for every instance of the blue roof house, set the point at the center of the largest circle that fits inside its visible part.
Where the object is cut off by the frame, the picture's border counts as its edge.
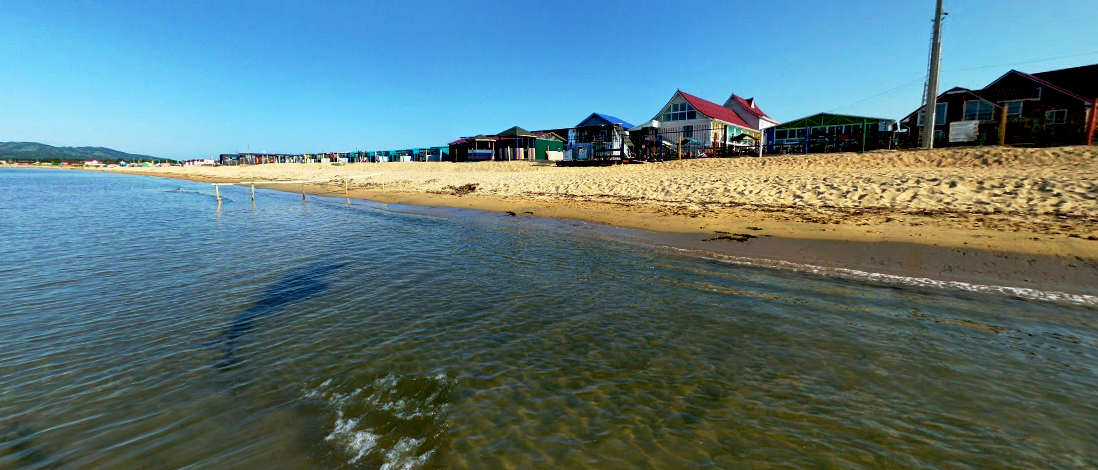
(599, 137)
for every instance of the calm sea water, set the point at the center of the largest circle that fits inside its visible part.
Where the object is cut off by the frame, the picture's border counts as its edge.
(141, 327)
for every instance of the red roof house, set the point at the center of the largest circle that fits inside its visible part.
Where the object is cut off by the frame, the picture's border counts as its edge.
(747, 109)
(700, 122)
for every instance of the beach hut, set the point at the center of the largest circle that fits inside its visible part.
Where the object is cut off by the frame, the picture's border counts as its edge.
(476, 148)
(548, 146)
(515, 143)
(600, 137)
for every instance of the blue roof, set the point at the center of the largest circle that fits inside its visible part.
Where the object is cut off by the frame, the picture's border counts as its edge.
(609, 120)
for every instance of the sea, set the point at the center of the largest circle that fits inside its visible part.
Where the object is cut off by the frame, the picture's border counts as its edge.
(143, 325)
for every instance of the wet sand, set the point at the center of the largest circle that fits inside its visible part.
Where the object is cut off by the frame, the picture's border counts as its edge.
(1024, 217)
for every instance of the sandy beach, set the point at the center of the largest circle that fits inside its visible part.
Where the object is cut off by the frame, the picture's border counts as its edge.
(1039, 202)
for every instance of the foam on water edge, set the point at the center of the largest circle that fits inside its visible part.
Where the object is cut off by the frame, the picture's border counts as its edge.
(396, 420)
(1019, 292)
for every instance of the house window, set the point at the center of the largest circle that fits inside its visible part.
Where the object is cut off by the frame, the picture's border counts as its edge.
(779, 134)
(688, 132)
(978, 110)
(939, 115)
(680, 112)
(1014, 109)
(1056, 116)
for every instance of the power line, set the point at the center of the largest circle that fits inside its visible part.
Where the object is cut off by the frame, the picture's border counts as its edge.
(882, 94)
(1025, 62)
(893, 91)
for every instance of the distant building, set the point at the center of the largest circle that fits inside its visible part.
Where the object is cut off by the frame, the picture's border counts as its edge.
(826, 132)
(514, 143)
(1048, 108)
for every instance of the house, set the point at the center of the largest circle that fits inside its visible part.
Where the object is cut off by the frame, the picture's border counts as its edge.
(1048, 108)
(599, 137)
(826, 132)
(747, 110)
(693, 126)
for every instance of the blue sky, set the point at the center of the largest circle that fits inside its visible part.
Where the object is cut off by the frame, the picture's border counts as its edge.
(197, 78)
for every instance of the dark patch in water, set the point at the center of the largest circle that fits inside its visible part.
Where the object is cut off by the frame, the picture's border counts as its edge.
(291, 287)
(17, 445)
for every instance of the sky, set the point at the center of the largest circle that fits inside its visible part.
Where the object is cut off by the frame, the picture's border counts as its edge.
(193, 79)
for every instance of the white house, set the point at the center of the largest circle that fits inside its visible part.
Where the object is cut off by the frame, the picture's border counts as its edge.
(701, 124)
(749, 111)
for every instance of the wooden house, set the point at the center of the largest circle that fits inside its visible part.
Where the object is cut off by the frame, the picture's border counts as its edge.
(1048, 108)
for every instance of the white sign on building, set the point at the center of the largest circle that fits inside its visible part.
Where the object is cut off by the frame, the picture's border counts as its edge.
(964, 131)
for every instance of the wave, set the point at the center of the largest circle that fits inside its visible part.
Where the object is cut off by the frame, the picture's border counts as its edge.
(396, 421)
(1019, 292)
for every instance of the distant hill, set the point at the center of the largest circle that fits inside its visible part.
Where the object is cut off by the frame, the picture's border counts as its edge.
(37, 152)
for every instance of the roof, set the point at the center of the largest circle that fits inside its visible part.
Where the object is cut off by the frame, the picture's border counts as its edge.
(515, 132)
(1055, 87)
(1041, 81)
(951, 91)
(714, 110)
(749, 105)
(607, 120)
(1082, 81)
(830, 119)
(548, 136)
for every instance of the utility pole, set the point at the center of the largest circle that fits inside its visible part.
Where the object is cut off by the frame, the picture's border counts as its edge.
(932, 80)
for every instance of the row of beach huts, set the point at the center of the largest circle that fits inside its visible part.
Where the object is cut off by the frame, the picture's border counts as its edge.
(1040, 109)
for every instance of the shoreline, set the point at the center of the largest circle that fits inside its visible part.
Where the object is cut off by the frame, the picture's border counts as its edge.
(979, 256)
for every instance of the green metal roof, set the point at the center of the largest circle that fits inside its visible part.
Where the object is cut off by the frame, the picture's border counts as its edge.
(826, 119)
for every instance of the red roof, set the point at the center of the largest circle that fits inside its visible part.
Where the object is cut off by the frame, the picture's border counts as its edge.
(751, 106)
(714, 110)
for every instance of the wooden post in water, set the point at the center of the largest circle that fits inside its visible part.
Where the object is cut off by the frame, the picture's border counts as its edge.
(302, 191)
(217, 191)
(253, 191)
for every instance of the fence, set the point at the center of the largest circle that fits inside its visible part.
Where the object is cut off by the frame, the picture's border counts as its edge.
(692, 142)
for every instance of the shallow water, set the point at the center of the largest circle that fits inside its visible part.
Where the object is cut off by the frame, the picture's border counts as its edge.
(141, 327)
